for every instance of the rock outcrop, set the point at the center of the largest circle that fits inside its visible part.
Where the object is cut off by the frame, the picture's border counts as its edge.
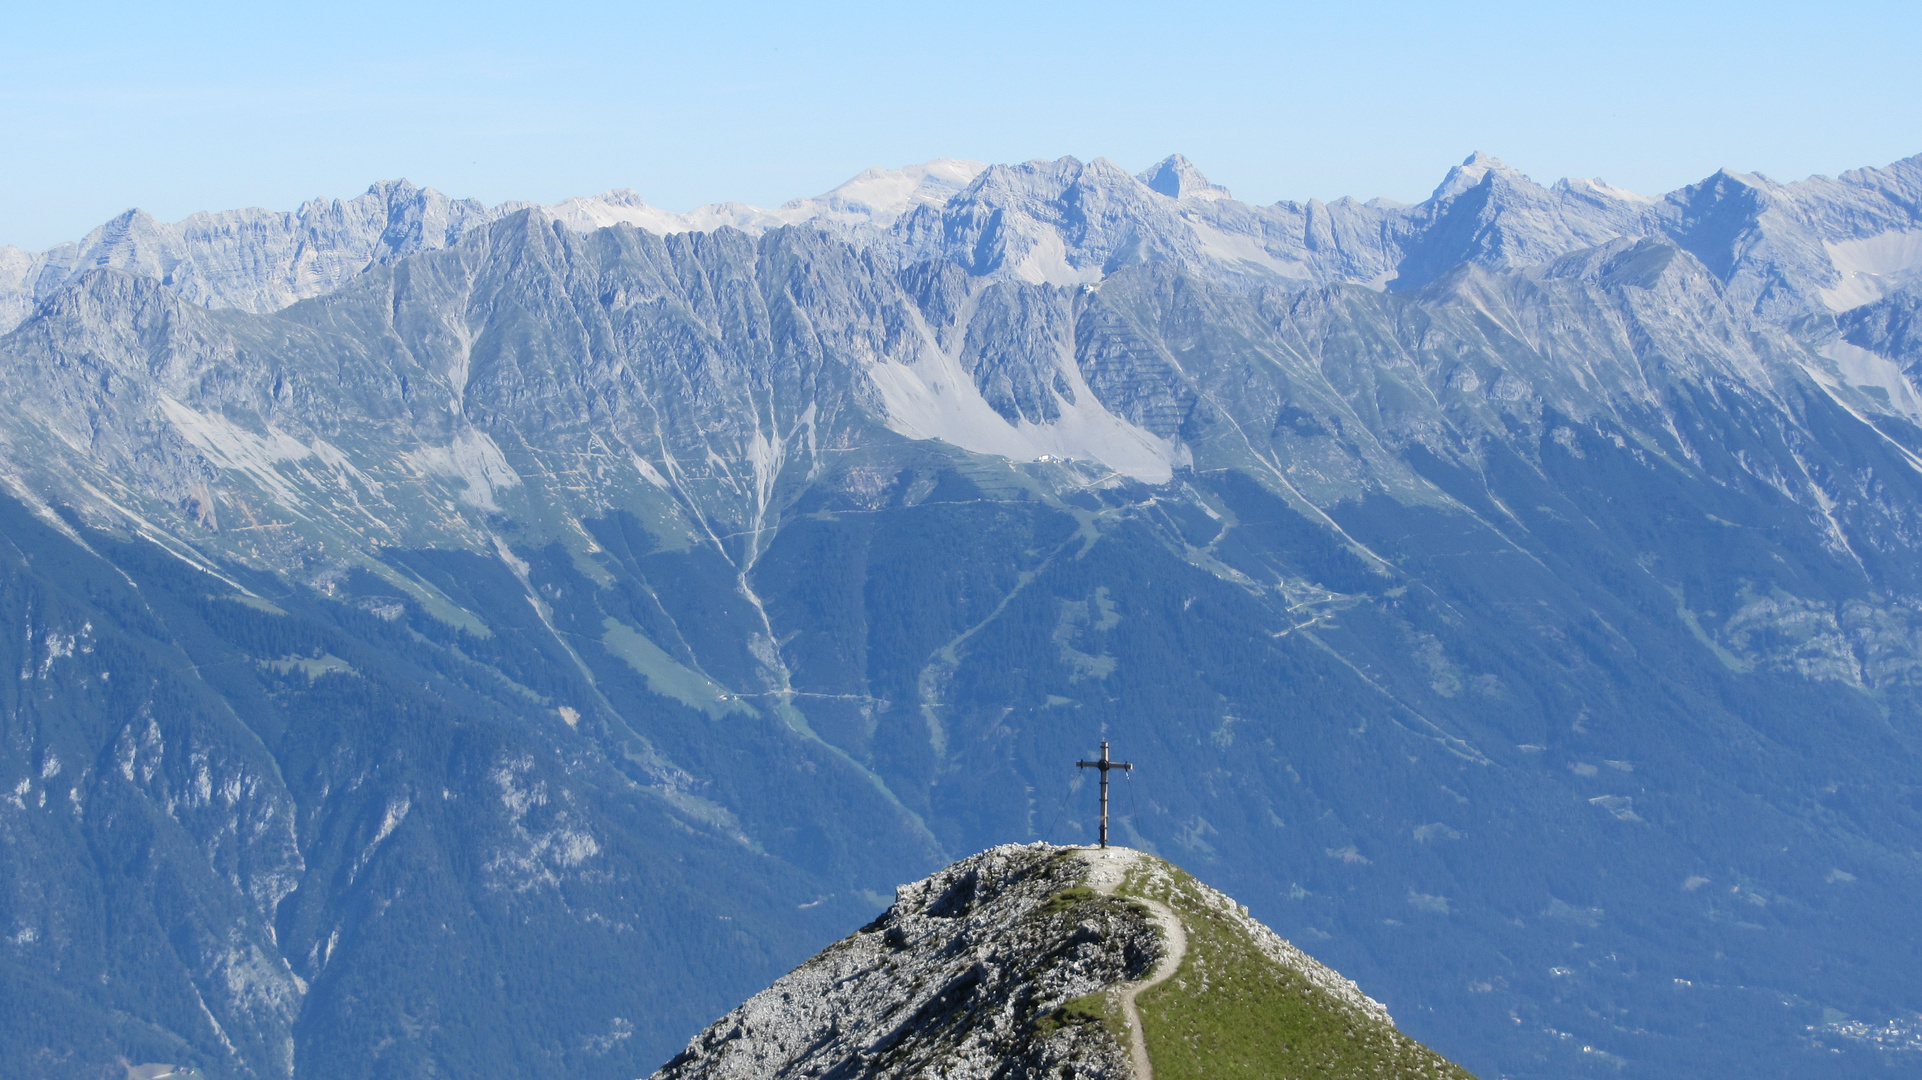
(984, 969)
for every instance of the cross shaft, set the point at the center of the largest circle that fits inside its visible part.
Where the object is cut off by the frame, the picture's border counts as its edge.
(1104, 765)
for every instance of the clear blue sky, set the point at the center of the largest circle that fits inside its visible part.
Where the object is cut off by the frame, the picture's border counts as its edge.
(183, 107)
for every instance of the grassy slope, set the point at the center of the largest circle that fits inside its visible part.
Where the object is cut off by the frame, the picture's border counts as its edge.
(1231, 1011)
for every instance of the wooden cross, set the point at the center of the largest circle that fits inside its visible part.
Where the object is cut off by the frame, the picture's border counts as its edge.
(1104, 765)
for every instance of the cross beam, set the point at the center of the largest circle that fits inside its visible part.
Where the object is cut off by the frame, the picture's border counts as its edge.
(1104, 765)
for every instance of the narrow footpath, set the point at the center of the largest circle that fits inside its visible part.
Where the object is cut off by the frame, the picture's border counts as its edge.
(1107, 869)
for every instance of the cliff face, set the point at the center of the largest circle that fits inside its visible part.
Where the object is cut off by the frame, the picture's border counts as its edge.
(1035, 960)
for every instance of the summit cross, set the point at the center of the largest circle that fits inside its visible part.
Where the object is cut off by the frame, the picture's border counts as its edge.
(1104, 765)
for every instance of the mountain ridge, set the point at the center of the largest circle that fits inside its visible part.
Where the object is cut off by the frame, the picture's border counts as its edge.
(1820, 231)
(1541, 644)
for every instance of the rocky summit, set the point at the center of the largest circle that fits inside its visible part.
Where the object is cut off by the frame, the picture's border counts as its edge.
(1043, 961)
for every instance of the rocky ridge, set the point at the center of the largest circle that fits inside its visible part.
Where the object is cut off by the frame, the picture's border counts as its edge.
(1024, 960)
(969, 973)
(1785, 251)
(262, 260)
(252, 259)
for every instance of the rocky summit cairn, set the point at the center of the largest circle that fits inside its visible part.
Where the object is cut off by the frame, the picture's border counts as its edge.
(1044, 961)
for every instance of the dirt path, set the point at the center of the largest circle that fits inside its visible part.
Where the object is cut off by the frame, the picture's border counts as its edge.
(1107, 868)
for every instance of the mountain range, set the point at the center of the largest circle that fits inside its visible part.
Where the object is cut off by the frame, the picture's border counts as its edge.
(496, 640)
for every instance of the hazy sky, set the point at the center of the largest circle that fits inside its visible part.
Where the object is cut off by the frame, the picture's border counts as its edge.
(178, 108)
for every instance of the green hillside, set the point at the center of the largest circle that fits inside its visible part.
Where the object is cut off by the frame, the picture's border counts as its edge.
(1235, 1008)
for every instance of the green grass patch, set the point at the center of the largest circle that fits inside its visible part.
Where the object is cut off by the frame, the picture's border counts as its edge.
(1067, 898)
(667, 676)
(1231, 1011)
(1086, 1009)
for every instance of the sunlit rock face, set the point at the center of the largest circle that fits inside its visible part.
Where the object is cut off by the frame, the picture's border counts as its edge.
(498, 640)
(970, 972)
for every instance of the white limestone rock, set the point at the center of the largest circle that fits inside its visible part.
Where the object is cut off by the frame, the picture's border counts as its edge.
(962, 978)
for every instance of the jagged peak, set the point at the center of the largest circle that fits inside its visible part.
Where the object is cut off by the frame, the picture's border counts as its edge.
(1176, 177)
(399, 185)
(1107, 167)
(1043, 179)
(1474, 170)
(1725, 176)
(1894, 170)
(1065, 167)
(621, 197)
(1725, 185)
(130, 216)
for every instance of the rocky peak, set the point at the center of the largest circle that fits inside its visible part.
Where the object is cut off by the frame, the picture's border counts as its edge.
(1037, 960)
(1475, 170)
(1064, 222)
(399, 189)
(1176, 177)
